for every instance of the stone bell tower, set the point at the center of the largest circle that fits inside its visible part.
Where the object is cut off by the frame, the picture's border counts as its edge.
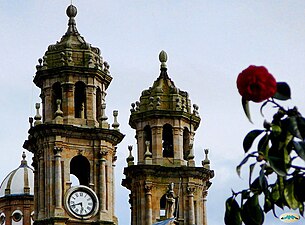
(165, 183)
(73, 144)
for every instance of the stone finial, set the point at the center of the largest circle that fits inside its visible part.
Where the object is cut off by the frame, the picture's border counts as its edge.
(23, 161)
(163, 59)
(104, 118)
(31, 121)
(190, 157)
(206, 161)
(37, 117)
(58, 112)
(195, 110)
(130, 158)
(148, 154)
(115, 124)
(71, 13)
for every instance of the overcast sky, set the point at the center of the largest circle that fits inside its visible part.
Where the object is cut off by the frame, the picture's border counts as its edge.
(208, 43)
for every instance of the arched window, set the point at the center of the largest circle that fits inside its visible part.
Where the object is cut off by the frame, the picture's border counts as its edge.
(80, 100)
(98, 103)
(163, 206)
(56, 94)
(80, 168)
(186, 143)
(167, 141)
(2, 218)
(17, 217)
(147, 137)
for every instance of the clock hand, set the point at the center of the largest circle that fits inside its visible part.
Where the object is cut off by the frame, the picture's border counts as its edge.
(80, 203)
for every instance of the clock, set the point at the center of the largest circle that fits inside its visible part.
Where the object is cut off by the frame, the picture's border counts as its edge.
(81, 202)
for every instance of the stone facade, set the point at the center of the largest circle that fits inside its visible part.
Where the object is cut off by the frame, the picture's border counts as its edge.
(165, 182)
(73, 136)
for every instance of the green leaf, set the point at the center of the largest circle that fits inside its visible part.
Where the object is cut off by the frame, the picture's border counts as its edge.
(268, 205)
(301, 126)
(278, 165)
(238, 168)
(249, 139)
(252, 213)
(251, 168)
(263, 146)
(299, 184)
(301, 208)
(275, 193)
(293, 127)
(278, 160)
(299, 147)
(289, 195)
(246, 108)
(283, 91)
(233, 212)
(262, 179)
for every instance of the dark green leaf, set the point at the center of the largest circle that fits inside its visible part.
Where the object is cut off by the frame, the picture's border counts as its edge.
(249, 139)
(262, 179)
(261, 109)
(283, 91)
(233, 212)
(301, 126)
(251, 168)
(278, 165)
(301, 208)
(256, 187)
(238, 168)
(299, 184)
(289, 195)
(275, 193)
(293, 127)
(268, 205)
(245, 104)
(263, 146)
(252, 213)
(300, 148)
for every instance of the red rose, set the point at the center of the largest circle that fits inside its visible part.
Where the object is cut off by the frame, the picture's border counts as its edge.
(256, 84)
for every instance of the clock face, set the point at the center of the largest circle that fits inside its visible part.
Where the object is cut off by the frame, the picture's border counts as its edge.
(81, 202)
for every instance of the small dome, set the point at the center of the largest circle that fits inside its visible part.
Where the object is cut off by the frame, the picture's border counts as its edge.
(18, 182)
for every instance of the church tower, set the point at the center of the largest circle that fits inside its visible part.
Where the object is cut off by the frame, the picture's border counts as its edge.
(165, 183)
(73, 144)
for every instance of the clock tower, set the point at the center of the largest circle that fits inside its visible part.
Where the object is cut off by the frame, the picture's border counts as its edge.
(73, 144)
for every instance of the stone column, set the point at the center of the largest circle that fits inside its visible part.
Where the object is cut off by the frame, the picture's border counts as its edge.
(36, 190)
(58, 182)
(41, 187)
(68, 101)
(148, 205)
(102, 187)
(204, 213)
(191, 208)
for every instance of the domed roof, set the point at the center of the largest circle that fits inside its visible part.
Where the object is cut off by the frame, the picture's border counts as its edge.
(18, 182)
(164, 99)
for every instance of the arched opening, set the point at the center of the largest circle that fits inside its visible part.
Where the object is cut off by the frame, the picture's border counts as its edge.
(80, 168)
(167, 141)
(163, 206)
(147, 137)
(98, 103)
(2, 218)
(17, 217)
(56, 94)
(80, 100)
(186, 143)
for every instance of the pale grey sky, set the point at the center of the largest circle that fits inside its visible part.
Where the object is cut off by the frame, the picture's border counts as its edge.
(208, 43)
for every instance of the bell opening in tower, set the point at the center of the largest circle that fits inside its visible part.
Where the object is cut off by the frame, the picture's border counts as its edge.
(80, 168)
(56, 95)
(80, 100)
(167, 141)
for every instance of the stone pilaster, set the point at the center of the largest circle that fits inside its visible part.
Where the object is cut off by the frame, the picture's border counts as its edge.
(58, 182)
(191, 211)
(148, 205)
